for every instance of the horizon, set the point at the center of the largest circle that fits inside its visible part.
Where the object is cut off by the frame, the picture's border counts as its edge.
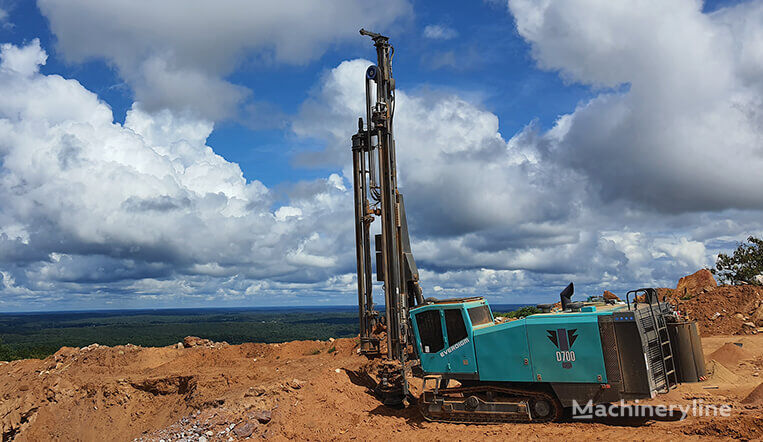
(380, 308)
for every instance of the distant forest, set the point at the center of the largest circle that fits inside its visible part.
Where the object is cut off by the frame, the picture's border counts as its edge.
(37, 335)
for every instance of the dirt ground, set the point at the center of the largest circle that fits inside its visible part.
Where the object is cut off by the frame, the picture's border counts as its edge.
(302, 390)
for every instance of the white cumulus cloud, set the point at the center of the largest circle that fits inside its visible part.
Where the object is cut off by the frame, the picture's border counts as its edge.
(681, 126)
(85, 200)
(175, 54)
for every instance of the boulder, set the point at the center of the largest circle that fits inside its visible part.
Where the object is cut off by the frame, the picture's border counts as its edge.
(696, 282)
(193, 341)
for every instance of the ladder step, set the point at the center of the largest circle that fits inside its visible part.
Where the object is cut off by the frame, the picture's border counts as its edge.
(669, 373)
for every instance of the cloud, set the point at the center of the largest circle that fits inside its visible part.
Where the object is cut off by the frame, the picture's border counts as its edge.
(176, 56)
(24, 61)
(450, 155)
(88, 205)
(678, 125)
(635, 187)
(522, 209)
(439, 32)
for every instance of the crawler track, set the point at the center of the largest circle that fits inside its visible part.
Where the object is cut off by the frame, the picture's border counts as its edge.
(449, 405)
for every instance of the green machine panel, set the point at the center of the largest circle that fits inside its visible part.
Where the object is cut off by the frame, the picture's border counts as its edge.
(502, 353)
(566, 348)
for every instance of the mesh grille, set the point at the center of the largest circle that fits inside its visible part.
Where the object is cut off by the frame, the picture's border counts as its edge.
(647, 323)
(609, 350)
(653, 354)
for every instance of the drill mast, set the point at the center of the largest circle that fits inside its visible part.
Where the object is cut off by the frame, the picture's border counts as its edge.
(376, 195)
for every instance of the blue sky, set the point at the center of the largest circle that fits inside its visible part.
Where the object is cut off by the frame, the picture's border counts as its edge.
(501, 75)
(578, 117)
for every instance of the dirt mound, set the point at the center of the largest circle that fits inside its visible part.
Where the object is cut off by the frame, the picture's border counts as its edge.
(757, 316)
(693, 284)
(609, 295)
(718, 373)
(755, 396)
(724, 309)
(730, 354)
(744, 427)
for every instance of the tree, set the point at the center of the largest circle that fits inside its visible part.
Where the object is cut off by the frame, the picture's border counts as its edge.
(521, 312)
(745, 265)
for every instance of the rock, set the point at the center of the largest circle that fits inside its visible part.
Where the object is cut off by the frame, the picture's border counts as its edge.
(193, 341)
(715, 316)
(609, 295)
(749, 325)
(739, 316)
(757, 316)
(202, 439)
(179, 345)
(696, 282)
(331, 339)
(255, 391)
(295, 384)
(244, 430)
(210, 433)
(263, 416)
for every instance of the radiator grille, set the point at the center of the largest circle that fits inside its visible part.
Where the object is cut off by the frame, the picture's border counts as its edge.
(609, 350)
(653, 354)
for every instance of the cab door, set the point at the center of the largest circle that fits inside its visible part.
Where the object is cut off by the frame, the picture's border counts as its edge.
(458, 354)
(429, 331)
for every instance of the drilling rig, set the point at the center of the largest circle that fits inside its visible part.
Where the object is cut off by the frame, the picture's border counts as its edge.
(473, 368)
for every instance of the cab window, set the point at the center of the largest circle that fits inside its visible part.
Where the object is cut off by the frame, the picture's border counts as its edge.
(454, 324)
(480, 315)
(430, 331)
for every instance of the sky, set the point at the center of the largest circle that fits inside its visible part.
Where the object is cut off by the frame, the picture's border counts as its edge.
(196, 153)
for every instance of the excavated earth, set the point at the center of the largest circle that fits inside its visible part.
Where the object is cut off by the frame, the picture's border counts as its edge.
(302, 390)
(318, 390)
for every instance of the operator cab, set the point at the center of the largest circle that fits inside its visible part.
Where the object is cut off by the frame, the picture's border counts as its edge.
(444, 334)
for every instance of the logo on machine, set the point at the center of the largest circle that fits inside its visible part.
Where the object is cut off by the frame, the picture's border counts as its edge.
(563, 339)
(454, 347)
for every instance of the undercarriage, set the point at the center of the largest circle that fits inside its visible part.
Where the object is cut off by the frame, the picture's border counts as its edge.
(485, 403)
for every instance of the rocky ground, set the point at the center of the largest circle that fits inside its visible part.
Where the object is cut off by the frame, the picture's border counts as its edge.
(314, 390)
(304, 390)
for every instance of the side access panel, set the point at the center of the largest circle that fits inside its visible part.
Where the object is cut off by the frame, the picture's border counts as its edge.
(566, 348)
(502, 353)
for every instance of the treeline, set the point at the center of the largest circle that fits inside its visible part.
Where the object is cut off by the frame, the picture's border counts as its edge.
(39, 335)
